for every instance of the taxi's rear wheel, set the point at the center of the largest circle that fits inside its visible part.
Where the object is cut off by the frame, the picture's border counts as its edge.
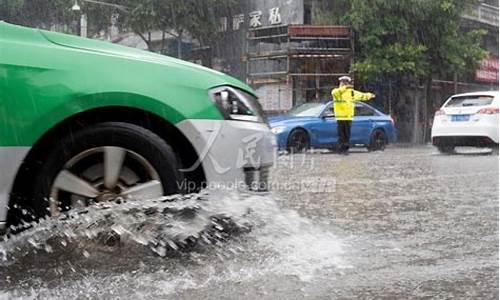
(102, 163)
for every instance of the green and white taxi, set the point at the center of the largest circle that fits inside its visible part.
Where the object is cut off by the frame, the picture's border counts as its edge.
(83, 121)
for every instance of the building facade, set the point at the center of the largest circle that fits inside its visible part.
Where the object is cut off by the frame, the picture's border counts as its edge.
(272, 45)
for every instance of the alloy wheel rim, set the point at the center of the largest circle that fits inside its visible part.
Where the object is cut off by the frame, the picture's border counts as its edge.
(103, 174)
(299, 141)
(379, 140)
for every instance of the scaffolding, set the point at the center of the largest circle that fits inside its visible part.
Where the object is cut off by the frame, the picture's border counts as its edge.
(297, 63)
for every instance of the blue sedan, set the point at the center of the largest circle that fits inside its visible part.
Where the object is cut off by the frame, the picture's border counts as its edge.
(313, 125)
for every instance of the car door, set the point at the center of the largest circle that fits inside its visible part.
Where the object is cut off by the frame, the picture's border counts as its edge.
(327, 127)
(362, 123)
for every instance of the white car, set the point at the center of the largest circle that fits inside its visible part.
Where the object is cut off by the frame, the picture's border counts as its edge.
(469, 119)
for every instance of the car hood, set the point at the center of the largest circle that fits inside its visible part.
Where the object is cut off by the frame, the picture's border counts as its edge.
(211, 77)
(288, 120)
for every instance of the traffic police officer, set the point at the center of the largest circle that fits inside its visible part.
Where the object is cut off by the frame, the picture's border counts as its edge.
(344, 98)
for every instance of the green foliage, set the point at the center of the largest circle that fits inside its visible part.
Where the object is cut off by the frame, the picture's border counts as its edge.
(198, 18)
(142, 16)
(10, 8)
(329, 12)
(37, 13)
(204, 18)
(418, 38)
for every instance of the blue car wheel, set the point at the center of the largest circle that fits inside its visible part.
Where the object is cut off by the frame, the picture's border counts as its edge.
(378, 140)
(298, 141)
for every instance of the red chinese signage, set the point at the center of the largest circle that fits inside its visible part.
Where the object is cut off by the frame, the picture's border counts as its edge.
(488, 71)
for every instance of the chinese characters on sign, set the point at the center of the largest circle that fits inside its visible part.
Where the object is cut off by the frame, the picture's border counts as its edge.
(274, 16)
(254, 21)
(488, 70)
(255, 17)
(237, 21)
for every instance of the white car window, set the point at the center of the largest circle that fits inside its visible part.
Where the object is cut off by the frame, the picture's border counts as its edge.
(466, 101)
(307, 110)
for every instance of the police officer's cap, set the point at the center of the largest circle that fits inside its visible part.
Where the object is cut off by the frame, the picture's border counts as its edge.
(345, 79)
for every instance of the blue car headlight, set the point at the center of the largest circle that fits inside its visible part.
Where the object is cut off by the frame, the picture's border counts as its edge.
(278, 129)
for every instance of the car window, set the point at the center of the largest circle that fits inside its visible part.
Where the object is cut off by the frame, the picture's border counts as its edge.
(464, 101)
(363, 111)
(307, 110)
(328, 111)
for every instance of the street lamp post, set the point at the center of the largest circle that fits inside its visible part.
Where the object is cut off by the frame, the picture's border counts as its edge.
(82, 23)
(117, 6)
(76, 7)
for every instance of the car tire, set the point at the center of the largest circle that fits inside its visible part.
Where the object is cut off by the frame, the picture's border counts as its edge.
(145, 157)
(378, 140)
(446, 149)
(494, 150)
(298, 141)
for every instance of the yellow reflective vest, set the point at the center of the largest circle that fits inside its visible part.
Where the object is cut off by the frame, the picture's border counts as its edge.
(343, 101)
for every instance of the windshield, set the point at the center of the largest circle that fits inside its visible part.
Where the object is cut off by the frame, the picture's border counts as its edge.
(465, 101)
(307, 110)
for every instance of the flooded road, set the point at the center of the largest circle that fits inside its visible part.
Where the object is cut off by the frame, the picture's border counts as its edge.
(404, 223)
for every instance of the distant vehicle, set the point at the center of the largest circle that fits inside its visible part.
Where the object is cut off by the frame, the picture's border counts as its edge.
(469, 119)
(313, 125)
(83, 121)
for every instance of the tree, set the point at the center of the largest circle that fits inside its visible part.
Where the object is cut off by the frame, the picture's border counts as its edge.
(142, 18)
(415, 39)
(197, 18)
(48, 13)
(36, 13)
(329, 12)
(9, 9)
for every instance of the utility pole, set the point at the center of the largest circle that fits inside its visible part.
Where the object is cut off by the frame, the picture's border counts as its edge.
(83, 25)
(455, 83)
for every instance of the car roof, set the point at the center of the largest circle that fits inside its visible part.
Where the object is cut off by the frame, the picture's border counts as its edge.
(484, 93)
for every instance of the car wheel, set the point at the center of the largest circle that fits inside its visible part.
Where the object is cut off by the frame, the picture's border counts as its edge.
(446, 149)
(102, 163)
(494, 150)
(378, 140)
(298, 141)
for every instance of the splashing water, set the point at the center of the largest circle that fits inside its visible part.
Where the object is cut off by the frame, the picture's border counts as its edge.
(204, 239)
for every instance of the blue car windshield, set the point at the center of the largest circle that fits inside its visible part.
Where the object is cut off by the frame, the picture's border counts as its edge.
(307, 110)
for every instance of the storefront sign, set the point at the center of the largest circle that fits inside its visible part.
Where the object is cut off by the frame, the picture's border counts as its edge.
(263, 13)
(254, 19)
(488, 71)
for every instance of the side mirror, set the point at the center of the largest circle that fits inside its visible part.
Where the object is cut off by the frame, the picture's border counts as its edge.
(327, 116)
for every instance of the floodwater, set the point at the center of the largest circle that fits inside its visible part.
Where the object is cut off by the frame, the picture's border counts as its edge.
(404, 223)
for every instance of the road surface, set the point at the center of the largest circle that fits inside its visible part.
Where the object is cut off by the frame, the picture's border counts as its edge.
(401, 224)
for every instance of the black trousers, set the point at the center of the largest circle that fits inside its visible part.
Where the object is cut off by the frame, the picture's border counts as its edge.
(344, 135)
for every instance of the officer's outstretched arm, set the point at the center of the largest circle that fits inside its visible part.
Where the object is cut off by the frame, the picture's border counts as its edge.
(359, 96)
